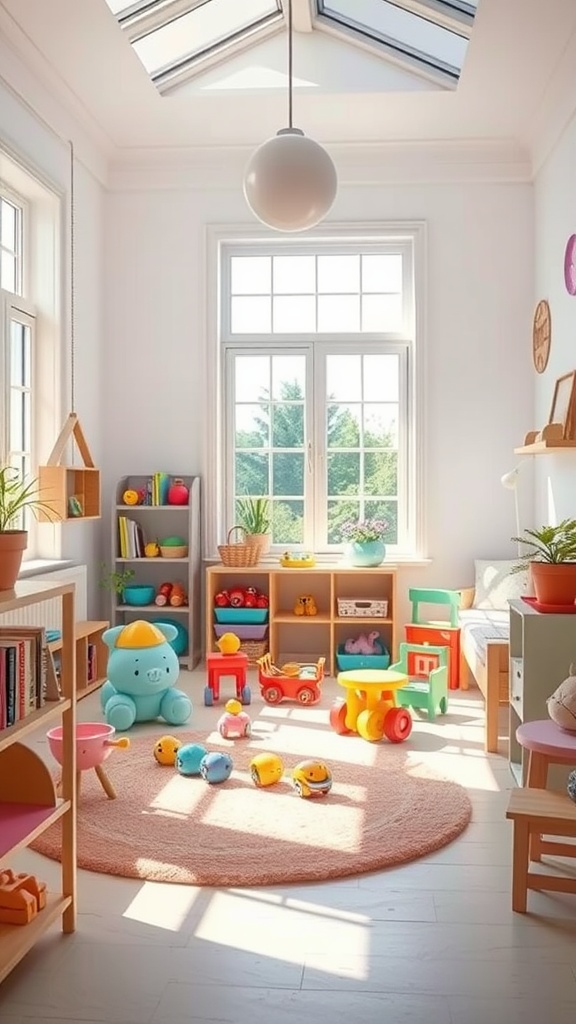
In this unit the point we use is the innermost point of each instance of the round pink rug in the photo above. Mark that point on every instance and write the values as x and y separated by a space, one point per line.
382 810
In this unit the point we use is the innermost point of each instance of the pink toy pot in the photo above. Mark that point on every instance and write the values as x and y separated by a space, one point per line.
94 743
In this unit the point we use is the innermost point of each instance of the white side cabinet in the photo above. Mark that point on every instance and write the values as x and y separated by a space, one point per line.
542 647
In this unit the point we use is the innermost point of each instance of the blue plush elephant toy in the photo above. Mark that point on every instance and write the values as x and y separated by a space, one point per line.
142 670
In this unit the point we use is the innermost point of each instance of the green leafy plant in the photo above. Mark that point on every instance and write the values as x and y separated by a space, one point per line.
17 495
113 580
553 544
254 514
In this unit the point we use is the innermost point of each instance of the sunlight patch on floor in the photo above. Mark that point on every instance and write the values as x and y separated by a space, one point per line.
162 906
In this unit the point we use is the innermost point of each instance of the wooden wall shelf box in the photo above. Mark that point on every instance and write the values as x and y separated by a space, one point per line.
28 801
58 484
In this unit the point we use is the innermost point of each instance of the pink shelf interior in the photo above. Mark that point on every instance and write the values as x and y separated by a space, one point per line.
17 821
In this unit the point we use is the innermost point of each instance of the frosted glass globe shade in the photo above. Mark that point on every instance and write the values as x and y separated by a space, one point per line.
290 182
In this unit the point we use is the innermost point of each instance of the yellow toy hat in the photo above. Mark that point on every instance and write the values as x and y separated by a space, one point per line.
140 634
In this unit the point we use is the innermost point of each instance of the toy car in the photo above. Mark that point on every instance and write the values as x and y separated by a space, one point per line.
290 682
312 778
266 769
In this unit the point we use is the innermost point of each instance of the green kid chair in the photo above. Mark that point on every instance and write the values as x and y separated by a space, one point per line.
428 684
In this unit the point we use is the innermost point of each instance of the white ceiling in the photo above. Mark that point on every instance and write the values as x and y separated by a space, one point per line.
520 69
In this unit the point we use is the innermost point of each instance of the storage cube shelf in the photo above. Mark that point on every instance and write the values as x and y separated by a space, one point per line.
306 638
57 484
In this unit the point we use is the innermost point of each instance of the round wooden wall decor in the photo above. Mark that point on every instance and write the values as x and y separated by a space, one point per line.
541 335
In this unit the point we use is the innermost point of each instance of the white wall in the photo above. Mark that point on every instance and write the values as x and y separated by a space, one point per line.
478 397
555 221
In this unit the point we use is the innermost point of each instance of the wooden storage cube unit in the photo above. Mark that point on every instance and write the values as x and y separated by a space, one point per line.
228 578
91 656
365 584
57 484
291 584
296 642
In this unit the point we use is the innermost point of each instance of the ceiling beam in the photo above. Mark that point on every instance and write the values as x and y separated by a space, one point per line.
301 14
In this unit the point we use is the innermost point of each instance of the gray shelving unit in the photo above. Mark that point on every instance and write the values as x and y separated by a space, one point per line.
542 647
158 521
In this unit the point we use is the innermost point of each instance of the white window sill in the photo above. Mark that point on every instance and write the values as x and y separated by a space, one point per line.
37 566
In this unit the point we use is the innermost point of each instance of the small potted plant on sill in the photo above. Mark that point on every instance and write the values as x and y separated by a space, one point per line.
17 496
253 515
364 541
552 561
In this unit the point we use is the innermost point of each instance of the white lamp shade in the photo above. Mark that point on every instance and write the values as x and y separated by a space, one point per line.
510 480
290 182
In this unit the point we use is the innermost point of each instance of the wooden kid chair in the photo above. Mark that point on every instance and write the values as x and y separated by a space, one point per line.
428 681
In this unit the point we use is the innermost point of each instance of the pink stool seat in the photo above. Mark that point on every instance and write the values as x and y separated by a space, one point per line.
545 737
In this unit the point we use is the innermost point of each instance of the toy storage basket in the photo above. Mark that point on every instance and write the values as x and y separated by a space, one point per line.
239 554
358 608
254 649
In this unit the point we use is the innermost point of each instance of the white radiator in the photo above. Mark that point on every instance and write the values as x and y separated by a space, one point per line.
49 613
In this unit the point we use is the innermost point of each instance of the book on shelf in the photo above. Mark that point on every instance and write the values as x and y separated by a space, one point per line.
23 672
131 538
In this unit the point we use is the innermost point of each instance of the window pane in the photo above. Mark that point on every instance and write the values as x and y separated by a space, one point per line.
380 426
387 510
339 274
251 476
340 512
8 225
250 315
344 378
343 473
252 426
287 522
294 275
288 377
344 426
199 30
382 273
252 378
288 428
381 313
381 473
251 275
338 313
295 314
8 271
381 378
19 354
288 474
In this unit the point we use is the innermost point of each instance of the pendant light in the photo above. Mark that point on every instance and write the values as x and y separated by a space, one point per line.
290 182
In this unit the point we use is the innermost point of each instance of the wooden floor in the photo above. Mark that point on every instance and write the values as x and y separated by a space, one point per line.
433 942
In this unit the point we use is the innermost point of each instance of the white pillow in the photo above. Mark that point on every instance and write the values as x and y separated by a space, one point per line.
496 584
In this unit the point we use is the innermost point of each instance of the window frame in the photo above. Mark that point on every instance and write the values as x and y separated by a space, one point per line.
241 240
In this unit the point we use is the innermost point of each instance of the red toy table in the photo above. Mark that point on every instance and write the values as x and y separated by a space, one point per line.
439 636
219 665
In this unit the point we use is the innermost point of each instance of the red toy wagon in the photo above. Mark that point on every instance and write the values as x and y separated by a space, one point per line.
290 682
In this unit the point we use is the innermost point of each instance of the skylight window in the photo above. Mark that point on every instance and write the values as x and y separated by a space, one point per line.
430 33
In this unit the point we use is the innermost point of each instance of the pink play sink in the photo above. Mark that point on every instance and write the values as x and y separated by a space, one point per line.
94 743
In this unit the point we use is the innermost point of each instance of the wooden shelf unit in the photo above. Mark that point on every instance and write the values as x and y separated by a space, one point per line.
58 484
306 638
158 521
87 634
546 448
28 802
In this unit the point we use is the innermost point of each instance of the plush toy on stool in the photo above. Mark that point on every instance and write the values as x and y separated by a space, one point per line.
142 668
562 703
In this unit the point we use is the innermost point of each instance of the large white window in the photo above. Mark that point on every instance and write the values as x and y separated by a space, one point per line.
29 332
317 385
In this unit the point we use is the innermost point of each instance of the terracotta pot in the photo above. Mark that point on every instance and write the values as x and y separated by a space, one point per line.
554 583
12 547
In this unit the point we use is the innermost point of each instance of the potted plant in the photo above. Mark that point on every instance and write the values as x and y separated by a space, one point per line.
552 560
113 580
364 539
16 496
253 515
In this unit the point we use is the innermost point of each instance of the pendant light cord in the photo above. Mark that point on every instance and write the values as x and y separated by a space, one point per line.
290 123
72 284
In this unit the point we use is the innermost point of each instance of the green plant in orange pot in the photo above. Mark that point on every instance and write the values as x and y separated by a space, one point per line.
552 560
17 496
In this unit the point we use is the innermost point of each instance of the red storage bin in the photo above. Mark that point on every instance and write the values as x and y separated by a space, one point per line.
440 636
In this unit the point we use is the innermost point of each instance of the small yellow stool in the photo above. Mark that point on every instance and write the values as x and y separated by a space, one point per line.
370 707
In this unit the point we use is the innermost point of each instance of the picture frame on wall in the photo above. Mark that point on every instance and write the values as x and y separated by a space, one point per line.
563 409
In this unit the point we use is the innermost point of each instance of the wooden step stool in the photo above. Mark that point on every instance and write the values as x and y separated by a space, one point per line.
538 812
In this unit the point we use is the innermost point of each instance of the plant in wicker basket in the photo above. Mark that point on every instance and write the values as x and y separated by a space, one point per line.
238 554
253 514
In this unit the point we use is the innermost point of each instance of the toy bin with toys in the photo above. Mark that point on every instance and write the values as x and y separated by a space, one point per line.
365 650
244 610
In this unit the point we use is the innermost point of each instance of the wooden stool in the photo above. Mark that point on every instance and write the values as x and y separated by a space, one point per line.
219 665
537 811
547 744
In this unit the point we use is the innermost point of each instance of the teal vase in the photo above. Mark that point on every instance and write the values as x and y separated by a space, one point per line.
366 553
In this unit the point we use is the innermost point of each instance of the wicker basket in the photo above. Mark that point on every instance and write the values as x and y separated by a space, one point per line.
240 554
254 649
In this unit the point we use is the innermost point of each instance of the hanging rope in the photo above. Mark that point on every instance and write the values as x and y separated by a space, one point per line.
72 285
290 124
